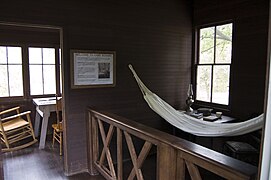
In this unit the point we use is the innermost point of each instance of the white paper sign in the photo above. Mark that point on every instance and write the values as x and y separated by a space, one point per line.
93 68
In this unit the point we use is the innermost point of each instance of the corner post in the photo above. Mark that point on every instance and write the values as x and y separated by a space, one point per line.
166 162
92 143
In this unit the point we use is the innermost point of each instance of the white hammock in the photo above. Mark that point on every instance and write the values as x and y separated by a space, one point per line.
193 125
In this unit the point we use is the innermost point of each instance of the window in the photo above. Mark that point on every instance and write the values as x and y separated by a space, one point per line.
214 64
42 71
35 74
11 77
60 72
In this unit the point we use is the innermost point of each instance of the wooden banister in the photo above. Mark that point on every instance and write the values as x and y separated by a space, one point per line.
173 153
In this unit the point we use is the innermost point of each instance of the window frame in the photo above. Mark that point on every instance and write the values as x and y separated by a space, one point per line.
42 64
200 103
26 73
8 77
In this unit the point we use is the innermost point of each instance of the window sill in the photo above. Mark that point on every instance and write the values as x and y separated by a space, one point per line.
225 109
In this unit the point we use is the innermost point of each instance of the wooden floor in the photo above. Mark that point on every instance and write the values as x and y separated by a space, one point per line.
34 164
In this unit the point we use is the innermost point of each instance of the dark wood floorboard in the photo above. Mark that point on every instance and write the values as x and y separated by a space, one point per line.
34 164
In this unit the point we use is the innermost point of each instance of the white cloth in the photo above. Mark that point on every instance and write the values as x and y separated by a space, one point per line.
193 125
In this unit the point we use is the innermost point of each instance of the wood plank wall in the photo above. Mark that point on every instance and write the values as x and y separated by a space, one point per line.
250 19
155 36
13 35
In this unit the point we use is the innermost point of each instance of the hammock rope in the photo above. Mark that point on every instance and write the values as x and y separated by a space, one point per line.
193 125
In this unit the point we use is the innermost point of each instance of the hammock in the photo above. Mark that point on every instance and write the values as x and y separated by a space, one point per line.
193 125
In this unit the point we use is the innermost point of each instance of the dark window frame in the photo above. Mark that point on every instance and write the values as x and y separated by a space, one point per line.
25 70
7 64
199 103
43 65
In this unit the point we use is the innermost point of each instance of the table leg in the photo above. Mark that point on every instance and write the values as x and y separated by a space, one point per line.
44 125
37 124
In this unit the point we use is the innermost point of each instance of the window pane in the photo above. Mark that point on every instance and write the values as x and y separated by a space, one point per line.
49 79
35 56
3 55
221 82
45 82
59 56
48 56
36 87
14 55
60 71
206 54
3 81
224 43
60 76
204 83
15 80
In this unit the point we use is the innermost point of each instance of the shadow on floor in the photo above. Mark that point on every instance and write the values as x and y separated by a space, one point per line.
34 164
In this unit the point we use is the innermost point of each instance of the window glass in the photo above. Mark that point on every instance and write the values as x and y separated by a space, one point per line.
50 80
11 76
15 80
3 55
42 71
60 70
4 90
35 55
36 80
206 45
213 67
204 83
14 55
221 84
48 56
223 43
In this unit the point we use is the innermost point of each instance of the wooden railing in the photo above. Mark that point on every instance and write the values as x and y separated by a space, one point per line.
174 155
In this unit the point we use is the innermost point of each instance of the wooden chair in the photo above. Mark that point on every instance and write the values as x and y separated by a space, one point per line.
15 127
58 128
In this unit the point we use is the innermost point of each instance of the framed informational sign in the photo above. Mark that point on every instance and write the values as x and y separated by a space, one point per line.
90 69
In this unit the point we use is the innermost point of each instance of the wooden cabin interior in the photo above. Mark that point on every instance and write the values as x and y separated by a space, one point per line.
160 38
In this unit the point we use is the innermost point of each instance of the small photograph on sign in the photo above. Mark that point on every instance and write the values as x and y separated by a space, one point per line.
104 70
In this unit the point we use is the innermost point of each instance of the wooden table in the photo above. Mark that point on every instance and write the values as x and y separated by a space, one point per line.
44 106
223 119
204 141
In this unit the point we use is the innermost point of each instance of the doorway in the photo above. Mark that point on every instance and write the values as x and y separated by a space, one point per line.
31 42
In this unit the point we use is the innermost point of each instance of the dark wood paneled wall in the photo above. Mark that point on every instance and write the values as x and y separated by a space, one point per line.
249 59
154 36
14 35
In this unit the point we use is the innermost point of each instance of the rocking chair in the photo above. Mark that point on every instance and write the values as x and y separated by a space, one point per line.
15 128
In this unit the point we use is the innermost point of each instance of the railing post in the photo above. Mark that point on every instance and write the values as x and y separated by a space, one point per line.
119 154
92 146
166 162
180 171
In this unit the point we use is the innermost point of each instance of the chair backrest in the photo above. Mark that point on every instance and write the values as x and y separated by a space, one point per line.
58 108
9 112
